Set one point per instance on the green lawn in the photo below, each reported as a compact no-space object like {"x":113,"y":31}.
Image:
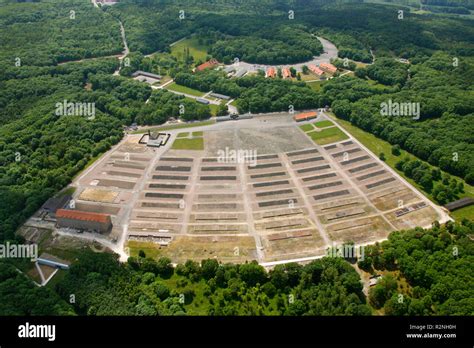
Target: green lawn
{"x":306,"y":127}
{"x":183,"y":135}
{"x":198,"y":134}
{"x":323,"y":124}
{"x":188,"y":144}
{"x":466,"y":212}
{"x":377,"y":146}
{"x":214,"y":108}
{"x":316,"y":85}
{"x":183,"y":89}
{"x":68,"y":191}
{"x":197,"y":51}
{"x":327,"y":136}
{"x":175,"y":126}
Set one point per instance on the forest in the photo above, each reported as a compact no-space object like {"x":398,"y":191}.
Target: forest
{"x":442,"y":135}
{"x":430,"y":270}
{"x":435,"y":266}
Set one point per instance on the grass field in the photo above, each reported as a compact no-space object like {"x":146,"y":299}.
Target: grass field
{"x":467,"y":212}
{"x":323,"y":124}
{"x":214,"y":108}
{"x":188,"y":144}
{"x":183,"y":89}
{"x":316,"y":85}
{"x":377,"y":146}
{"x":306,"y":127}
{"x":327,"y":136}
{"x":197,"y":51}
{"x":183,"y":135}
{"x":198,"y":134}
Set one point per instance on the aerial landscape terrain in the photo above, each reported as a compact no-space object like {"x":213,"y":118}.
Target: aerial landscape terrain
{"x":236,"y":158}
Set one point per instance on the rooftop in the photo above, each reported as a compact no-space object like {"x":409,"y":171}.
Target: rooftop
{"x":82,"y":215}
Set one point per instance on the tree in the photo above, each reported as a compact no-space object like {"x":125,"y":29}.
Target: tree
{"x":252,"y":274}
{"x":382,"y":291}
{"x":209,"y":268}
{"x":164,"y":267}
{"x":161,"y":291}
{"x":382,"y":156}
{"x":396,"y":150}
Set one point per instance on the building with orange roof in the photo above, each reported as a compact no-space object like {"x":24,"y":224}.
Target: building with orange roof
{"x":207,"y":65}
{"x":328,"y":67}
{"x":314,"y":69}
{"x":305,"y":116}
{"x":286,"y":73}
{"x":271,"y":72}
{"x":83,"y":220}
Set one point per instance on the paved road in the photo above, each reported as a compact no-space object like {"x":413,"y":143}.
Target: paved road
{"x":330,"y":51}
{"x":186,"y":95}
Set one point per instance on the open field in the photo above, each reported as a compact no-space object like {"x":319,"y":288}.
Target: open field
{"x":466,"y":212}
{"x":327,"y":136}
{"x":316,"y":85}
{"x":183,"y":248}
{"x":183,"y":89}
{"x":197,"y":51}
{"x":188,"y":144}
{"x":306,"y":127}
{"x":97,"y":195}
{"x":323,"y":124}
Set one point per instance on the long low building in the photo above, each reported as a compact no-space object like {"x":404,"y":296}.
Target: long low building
{"x":316,"y":70}
{"x":460,"y":203}
{"x":220,"y":96}
{"x":305,"y":116}
{"x":328,"y":67}
{"x":147,"y":74}
{"x":82,"y":220}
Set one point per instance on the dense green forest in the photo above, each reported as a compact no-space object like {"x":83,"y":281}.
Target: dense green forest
{"x":429,"y":270}
{"x":41,"y":150}
{"x":147,"y":287}
{"x":442,"y":134}
{"x":46,"y":33}
{"x":436,"y":265}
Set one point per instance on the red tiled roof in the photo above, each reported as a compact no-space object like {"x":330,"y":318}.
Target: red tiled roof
{"x":305,"y":116}
{"x":316,"y":70}
{"x":271,"y":72}
{"x":328,"y":66}
{"x":286,"y":73}
{"x":208,"y":64}
{"x":82,"y":215}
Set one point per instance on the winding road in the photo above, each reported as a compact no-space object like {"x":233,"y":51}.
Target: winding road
{"x":330,"y":51}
